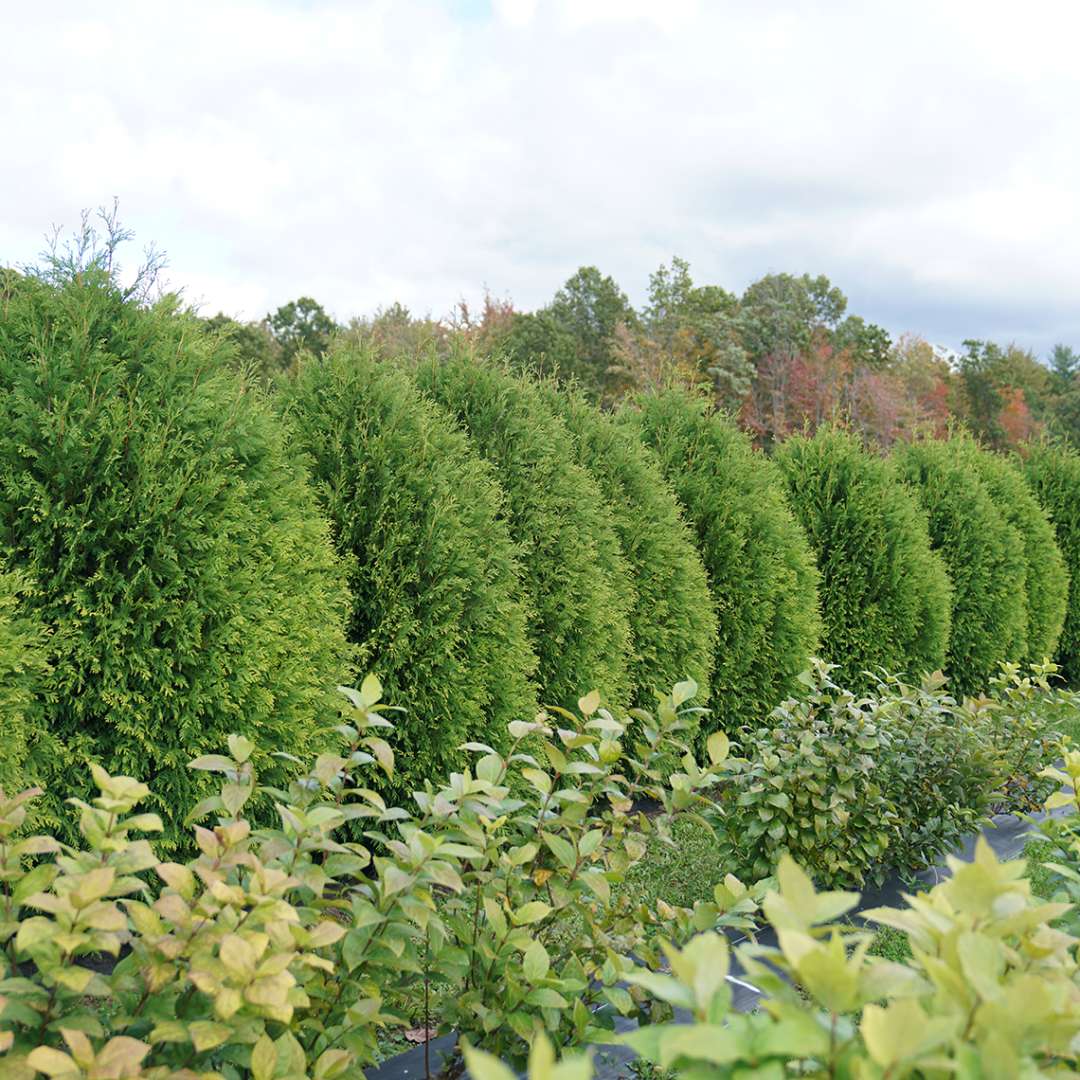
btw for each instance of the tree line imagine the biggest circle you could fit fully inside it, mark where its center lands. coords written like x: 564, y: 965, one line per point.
x: 784, y: 357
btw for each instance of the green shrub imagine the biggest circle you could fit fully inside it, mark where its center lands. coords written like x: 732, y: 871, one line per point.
x: 1054, y: 475
x: 983, y: 554
x: 673, y: 620
x: 885, y: 596
x: 577, y: 582
x: 990, y: 989
x: 285, y: 945
x: 761, y: 572
x: 1046, y: 580
x: 436, y: 592
x: 23, y: 670
x: 175, y: 553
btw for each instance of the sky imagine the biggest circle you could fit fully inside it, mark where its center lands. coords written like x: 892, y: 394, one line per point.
x: 924, y: 156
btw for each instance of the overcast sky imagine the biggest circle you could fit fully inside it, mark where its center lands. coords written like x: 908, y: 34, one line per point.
x: 925, y: 156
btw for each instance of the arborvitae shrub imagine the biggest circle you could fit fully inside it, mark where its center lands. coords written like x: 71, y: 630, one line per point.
x: 438, y: 606
x: 1046, y: 581
x: 22, y: 671
x: 761, y: 570
x: 176, y: 554
x: 673, y: 620
x: 1054, y: 475
x: 885, y: 595
x: 983, y: 554
x: 576, y: 579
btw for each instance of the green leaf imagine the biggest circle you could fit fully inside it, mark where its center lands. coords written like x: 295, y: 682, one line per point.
x: 530, y: 913
x: 535, y: 962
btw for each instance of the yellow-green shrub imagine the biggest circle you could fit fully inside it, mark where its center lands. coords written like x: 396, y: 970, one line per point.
x: 174, y: 550
x: 23, y: 669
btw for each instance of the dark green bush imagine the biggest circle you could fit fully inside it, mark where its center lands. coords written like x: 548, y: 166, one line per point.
x: 1054, y: 475
x: 175, y: 553
x: 673, y: 620
x: 1046, y: 580
x: 885, y: 595
x: 22, y: 672
x: 577, y: 581
x: 983, y: 554
x: 761, y: 571
x: 437, y: 597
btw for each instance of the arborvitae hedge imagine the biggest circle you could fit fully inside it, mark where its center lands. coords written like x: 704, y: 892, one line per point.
x: 984, y: 556
x: 176, y: 553
x: 577, y: 582
x: 885, y: 595
x: 1046, y: 581
x: 23, y: 669
x: 673, y: 620
x: 437, y: 598
x: 761, y: 571
x: 1054, y: 475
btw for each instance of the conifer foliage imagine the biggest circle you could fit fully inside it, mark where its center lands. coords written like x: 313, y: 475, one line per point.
x: 22, y: 670
x: 885, y: 595
x: 673, y: 620
x: 761, y: 570
x: 1053, y: 472
x: 437, y: 601
x: 173, y: 551
x: 984, y: 556
x: 577, y: 582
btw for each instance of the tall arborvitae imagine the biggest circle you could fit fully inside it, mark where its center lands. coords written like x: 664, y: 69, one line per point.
x: 577, y: 581
x: 984, y: 556
x: 174, y: 550
x: 760, y: 567
x: 673, y: 620
x: 885, y: 595
x: 437, y: 598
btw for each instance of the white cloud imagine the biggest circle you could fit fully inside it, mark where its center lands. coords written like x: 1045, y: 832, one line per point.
x: 923, y: 155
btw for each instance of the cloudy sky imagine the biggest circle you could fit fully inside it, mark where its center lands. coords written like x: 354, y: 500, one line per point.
x: 925, y: 156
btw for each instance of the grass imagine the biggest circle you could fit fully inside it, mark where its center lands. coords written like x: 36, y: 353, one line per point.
x: 678, y: 875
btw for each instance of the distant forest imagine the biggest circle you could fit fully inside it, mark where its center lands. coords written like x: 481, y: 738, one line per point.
x: 784, y: 356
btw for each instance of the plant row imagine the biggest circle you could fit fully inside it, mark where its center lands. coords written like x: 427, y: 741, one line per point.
x: 183, y: 556
x: 283, y: 946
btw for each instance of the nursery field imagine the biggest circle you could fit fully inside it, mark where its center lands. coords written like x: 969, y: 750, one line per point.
x: 413, y: 695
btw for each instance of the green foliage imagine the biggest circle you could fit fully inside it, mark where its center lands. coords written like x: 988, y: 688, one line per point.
x: 276, y: 951
x: 23, y: 670
x: 436, y: 591
x: 673, y: 620
x: 761, y: 571
x: 885, y: 595
x: 576, y: 579
x: 172, y: 549
x: 983, y: 553
x: 1046, y: 579
x: 1057, y: 849
x: 852, y: 786
x: 300, y: 326
x: 990, y: 989
x: 1054, y: 475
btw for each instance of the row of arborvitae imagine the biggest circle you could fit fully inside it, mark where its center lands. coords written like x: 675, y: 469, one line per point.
x: 190, y: 557
x: 286, y: 950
